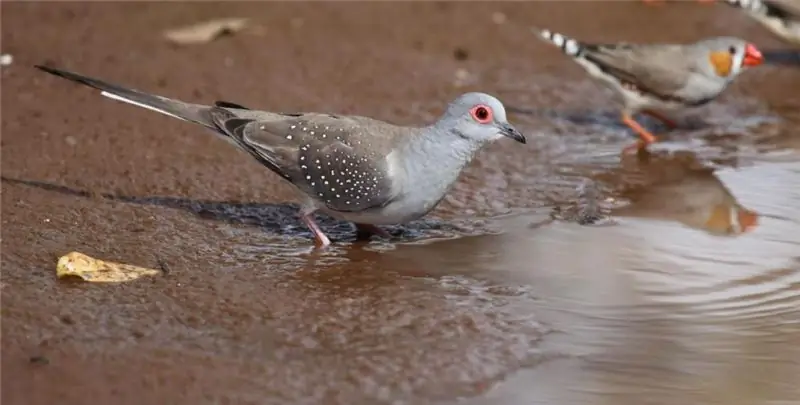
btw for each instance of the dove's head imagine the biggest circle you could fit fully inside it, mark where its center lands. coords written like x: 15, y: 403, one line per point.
x: 726, y: 57
x: 478, y: 117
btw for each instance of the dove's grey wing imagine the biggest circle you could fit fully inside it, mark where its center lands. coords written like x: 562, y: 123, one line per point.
x: 660, y: 70
x: 340, y: 161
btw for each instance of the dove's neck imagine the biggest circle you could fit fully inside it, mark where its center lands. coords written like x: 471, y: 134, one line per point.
x: 442, y: 149
x: 433, y: 160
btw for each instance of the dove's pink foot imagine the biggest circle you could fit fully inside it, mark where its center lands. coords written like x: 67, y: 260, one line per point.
x: 366, y: 230
x: 319, y: 236
x: 661, y: 117
x: 645, y: 135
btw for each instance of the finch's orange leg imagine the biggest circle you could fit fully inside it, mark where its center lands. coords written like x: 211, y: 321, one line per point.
x: 645, y: 135
x: 661, y: 117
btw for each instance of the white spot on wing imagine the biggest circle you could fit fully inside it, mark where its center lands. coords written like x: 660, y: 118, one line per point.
x: 138, y: 104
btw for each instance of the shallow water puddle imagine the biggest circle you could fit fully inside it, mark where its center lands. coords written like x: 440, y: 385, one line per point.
x: 654, y: 309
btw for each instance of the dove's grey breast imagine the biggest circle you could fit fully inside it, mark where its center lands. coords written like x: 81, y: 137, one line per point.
x: 423, y: 172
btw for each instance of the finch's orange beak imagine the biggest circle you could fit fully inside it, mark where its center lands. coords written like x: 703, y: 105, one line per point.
x: 731, y: 219
x: 752, y: 56
x: 748, y: 220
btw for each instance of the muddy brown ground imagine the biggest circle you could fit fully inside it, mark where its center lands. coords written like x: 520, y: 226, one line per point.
x: 653, y: 308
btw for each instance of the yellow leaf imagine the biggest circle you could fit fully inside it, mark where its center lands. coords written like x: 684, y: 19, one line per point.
x: 77, y: 264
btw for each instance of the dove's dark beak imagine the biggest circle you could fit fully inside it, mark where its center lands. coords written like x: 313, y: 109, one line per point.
x: 511, y: 132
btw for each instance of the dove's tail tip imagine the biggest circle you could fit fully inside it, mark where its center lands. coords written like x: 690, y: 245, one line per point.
x: 569, y: 46
x: 46, y: 68
x: 172, y: 108
x: 66, y: 75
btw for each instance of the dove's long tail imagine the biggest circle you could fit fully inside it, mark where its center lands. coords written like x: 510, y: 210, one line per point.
x: 569, y: 46
x: 211, y: 117
x: 195, y: 113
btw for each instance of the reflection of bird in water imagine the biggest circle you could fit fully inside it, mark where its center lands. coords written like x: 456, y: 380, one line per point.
x: 782, y: 17
x: 681, y: 189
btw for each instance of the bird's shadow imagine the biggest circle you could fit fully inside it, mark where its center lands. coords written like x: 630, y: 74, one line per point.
x: 276, y: 219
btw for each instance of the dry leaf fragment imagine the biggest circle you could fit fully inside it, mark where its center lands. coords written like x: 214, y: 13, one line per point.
x: 6, y: 59
x: 89, y: 269
x: 463, y: 78
x: 205, y: 32
x: 499, y: 18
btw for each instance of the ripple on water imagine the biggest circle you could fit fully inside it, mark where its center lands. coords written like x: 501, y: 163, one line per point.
x: 754, y: 275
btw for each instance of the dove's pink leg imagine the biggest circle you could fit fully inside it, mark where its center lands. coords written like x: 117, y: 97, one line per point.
x: 661, y: 117
x: 372, y: 230
x: 320, y: 237
x: 647, y: 137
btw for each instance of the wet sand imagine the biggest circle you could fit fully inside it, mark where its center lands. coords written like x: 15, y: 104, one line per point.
x: 555, y: 273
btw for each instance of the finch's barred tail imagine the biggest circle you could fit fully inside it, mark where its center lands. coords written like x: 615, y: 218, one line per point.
x: 568, y: 45
x: 752, y: 5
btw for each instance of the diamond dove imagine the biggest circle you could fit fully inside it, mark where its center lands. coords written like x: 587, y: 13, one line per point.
x: 353, y: 168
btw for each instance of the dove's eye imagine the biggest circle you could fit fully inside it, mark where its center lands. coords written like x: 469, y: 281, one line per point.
x: 481, y: 114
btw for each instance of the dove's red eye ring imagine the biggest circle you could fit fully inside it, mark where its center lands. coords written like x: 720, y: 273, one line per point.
x: 482, y: 114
